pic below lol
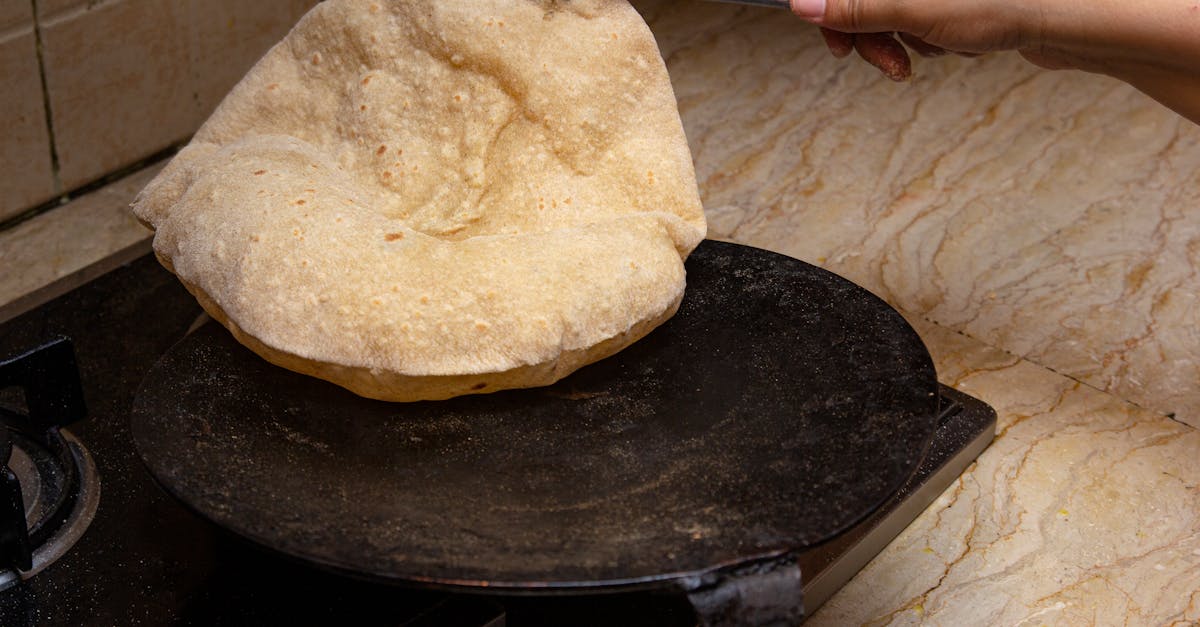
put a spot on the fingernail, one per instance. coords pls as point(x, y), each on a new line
point(811, 10)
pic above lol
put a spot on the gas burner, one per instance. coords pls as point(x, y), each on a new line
point(49, 488)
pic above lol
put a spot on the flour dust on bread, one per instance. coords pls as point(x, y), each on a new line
point(421, 199)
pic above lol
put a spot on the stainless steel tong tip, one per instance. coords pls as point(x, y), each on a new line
point(774, 4)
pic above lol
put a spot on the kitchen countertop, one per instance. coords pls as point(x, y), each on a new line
point(1086, 509)
point(1055, 215)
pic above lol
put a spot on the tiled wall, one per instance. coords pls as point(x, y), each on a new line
point(26, 176)
point(115, 81)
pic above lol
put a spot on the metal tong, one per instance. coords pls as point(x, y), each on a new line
point(774, 4)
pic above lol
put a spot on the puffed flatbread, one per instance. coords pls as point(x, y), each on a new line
point(421, 199)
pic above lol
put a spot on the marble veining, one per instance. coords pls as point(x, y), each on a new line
point(1085, 510)
point(1055, 215)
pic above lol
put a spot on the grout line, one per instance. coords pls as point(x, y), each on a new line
point(107, 179)
point(37, 38)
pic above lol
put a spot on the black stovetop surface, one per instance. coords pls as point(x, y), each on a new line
point(146, 560)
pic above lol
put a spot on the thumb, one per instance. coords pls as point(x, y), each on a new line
point(858, 16)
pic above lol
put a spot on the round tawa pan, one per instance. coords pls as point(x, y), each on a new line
point(779, 406)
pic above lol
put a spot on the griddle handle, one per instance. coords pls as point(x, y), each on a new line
point(767, 593)
point(50, 379)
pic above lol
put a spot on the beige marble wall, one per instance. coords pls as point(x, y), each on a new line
point(1053, 214)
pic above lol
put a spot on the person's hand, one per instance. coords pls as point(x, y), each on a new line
point(1152, 44)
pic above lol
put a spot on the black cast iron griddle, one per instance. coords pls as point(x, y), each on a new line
point(779, 406)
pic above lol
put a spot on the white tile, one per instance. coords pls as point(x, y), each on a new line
point(119, 84)
point(26, 178)
point(227, 37)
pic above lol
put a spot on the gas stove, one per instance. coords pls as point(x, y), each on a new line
point(206, 486)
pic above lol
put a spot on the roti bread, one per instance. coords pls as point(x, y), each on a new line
point(421, 199)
